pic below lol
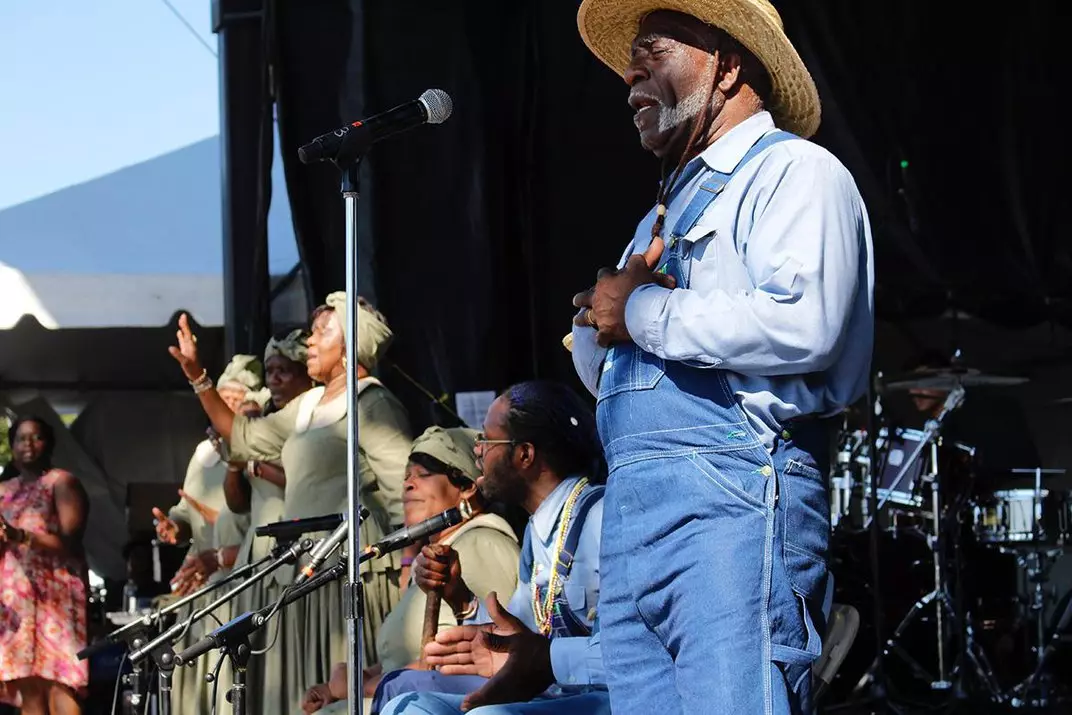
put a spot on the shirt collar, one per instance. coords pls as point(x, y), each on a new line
point(726, 153)
point(545, 518)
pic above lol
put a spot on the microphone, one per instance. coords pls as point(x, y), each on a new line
point(292, 528)
point(411, 534)
point(321, 553)
point(432, 107)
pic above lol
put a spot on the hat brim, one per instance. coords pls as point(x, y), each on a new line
point(608, 28)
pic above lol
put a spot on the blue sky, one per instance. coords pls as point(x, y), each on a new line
point(91, 87)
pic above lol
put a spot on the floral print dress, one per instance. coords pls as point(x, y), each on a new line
point(42, 593)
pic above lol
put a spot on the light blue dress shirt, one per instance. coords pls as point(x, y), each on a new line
point(781, 283)
point(582, 587)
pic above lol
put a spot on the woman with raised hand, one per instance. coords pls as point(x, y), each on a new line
point(309, 436)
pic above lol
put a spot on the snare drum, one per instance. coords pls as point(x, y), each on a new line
point(1013, 516)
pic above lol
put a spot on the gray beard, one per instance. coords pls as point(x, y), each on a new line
point(684, 111)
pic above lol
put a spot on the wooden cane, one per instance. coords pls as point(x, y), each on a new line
point(431, 610)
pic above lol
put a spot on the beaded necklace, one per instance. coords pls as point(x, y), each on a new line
point(543, 611)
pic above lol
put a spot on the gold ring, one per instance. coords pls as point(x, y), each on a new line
point(590, 317)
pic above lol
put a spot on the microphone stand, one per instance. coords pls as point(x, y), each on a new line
point(232, 638)
point(129, 632)
point(161, 648)
point(136, 635)
point(348, 161)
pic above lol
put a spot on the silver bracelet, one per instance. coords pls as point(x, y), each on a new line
point(201, 384)
point(474, 605)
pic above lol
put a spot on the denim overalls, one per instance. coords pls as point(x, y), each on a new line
point(714, 547)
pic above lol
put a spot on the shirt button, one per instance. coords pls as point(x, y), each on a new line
point(766, 471)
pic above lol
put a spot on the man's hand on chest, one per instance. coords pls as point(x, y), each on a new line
point(603, 306)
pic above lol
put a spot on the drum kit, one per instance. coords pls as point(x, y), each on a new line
point(963, 568)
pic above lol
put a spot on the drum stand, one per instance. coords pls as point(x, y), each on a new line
point(1036, 691)
point(940, 597)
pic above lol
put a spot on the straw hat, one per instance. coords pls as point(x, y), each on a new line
point(609, 26)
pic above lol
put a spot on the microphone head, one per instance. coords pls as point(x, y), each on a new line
point(438, 105)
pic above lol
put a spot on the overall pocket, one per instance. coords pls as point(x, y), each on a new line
point(804, 545)
point(629, 369)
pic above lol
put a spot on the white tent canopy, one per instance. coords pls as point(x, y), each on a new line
point(91, 278)
point(128, 249)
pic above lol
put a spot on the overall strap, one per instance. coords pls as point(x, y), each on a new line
point(714, 184)
point(564, 623)
point(588, 498)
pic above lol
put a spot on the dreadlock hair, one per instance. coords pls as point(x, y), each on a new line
point(562, 427)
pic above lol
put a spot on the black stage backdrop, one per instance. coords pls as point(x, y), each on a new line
point(480, 230)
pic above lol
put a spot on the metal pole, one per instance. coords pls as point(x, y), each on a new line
point(352, 592)
point(938, 549)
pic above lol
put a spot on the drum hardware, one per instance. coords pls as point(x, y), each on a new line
point(948, 379)
point(950, 621)
point(852, 457)
point(1032, 692)
point(1037, 504)
point(928, 439)
point(1033, 525)
point(977, 613)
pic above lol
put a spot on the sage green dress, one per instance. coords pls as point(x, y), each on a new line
point(310, 438)
point(204, 482)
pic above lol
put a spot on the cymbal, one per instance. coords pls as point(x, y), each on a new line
point(949, 378)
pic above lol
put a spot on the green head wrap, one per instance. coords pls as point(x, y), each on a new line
point(453, 447)
point(243, 371)
point(291, 347)
point(373, 335)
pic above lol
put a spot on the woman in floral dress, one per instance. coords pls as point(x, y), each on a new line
point(42, 577)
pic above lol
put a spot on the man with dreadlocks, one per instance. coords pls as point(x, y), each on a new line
point(540, 451)
point(739, 317)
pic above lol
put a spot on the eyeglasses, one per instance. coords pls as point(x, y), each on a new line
point(484, 442)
